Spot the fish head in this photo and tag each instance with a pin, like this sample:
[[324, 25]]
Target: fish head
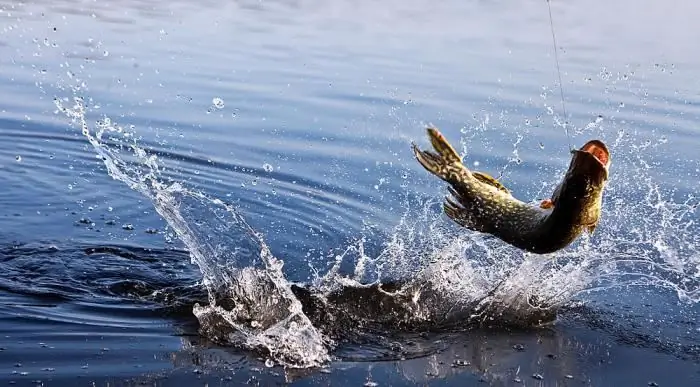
[[579, 196], [592, 161]]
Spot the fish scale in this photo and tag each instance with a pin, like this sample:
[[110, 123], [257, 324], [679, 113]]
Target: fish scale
[[481, 203]]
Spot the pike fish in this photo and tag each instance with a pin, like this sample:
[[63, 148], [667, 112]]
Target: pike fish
[[481, 203]]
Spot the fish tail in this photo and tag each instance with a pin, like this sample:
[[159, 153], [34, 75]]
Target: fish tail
[[443, 147], [444, 161]]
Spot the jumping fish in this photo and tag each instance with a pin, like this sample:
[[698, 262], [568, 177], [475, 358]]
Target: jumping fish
[[481, 203]]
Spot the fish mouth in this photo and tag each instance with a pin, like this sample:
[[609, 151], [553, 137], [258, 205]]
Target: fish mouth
[[593, 158], [598, 150]]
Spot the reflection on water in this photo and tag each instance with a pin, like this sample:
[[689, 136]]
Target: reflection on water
[[298, 117]]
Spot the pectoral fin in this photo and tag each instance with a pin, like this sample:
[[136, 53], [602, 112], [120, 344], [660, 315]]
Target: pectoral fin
[[591, 228], [547, 204]]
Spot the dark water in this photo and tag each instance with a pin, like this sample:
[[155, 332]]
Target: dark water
[[299, 116]]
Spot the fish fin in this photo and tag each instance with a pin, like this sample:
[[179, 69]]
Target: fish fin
[[547, 204], [442, 147], [490, 180], [454, 209], [444, 162], [591, 227]]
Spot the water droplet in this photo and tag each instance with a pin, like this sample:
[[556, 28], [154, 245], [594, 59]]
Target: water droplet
[[476, 163], [18, 158], [254, 182], [217, 102], [541, 145], [269, 363], [268, 167], [106, 53], [622, 104], [405, 175]]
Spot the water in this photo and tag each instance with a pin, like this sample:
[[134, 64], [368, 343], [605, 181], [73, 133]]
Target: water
[[160, 161]]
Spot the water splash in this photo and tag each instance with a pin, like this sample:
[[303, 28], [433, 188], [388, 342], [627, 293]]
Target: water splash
[[456, 277], [648, 237], [449, 274], [230, 254]]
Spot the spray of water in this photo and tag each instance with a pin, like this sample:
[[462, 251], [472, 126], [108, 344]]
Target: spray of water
[[230, 254], [648, 241]]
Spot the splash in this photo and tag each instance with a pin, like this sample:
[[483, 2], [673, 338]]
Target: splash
[[448, 275], [232, 257], [648, 238], [456, 277]]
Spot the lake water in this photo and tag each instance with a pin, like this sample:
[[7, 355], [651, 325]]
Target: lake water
[[151, 152]]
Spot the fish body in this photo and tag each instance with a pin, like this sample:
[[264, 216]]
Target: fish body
[[480, 203]]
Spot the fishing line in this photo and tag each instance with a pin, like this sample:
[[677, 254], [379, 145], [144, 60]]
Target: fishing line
[[561, 85]]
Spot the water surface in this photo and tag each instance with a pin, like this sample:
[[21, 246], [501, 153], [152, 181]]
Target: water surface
[[286, 125]]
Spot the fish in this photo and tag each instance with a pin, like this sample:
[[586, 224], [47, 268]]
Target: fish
[[481, 203]]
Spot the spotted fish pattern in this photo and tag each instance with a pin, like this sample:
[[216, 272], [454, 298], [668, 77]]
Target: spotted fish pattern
[[481, 203]]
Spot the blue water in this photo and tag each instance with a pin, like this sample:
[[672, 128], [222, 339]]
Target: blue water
[[300, 115]]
